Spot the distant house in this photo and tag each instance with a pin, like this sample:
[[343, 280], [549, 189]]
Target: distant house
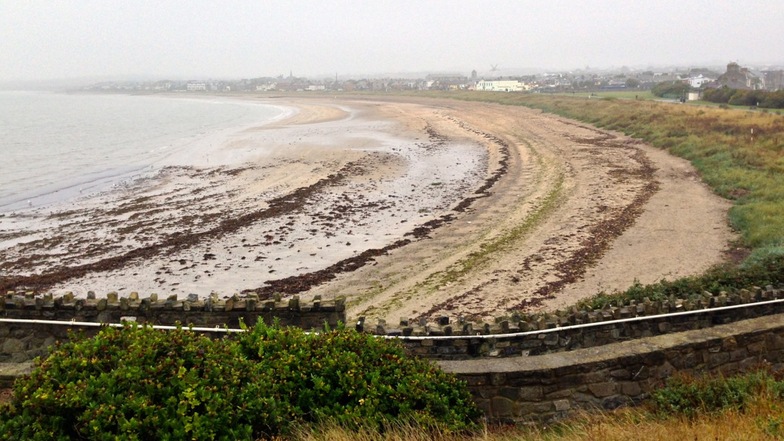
[[774, 79], [699, 80], [266, 87], [162, 85], [193, 87], [738, 77], [446, 81], [500, 86]]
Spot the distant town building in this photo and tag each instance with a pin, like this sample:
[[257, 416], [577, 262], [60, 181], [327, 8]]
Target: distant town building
[[266, 87], [699, 81], [446, 81], [194, 87], [774, 79], [738, 77], [500, 86]]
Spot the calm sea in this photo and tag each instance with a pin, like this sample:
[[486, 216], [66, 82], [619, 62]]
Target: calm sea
[[55, 146]]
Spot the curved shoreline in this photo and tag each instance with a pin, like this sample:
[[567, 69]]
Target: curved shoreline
[[188, 144], [535, 223], [356, 168]]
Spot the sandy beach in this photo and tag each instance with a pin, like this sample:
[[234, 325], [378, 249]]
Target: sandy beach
[[409, 208]]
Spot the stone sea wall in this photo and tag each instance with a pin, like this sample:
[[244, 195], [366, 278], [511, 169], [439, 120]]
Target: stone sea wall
[[584, 359], [24, 341], [549, 387], [574, 329]]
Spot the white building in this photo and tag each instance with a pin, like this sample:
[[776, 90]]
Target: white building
[[500, 86], [192, 87], [698, 81], [266, 87]]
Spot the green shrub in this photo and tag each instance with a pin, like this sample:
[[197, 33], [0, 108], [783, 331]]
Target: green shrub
[[133, 383], [692, 396], [357, 380], [672, 89], [140, 383]]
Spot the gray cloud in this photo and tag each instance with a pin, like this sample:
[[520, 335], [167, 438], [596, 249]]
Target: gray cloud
[[68, 39]]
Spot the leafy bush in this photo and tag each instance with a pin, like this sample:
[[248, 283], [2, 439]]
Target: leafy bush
[[761, 98], [140, 383], [673, 89], [356, 380], [691, 396], [773, 100], [133, 383], [719, 95], [747, 97]]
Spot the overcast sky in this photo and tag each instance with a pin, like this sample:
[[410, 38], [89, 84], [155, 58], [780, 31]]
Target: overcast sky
[[242, 39]]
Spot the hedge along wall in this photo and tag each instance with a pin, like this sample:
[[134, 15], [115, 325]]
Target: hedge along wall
[[550, 386], [21, 342]]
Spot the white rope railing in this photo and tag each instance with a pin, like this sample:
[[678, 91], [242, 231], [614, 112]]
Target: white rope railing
[[590, 325], [429, 337]]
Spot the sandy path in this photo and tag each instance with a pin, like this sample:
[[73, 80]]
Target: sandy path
[[410, 208]]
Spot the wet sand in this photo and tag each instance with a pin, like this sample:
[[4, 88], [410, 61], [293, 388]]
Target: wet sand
[[409, 208]]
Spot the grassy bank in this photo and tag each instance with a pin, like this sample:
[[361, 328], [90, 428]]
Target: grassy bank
[[747, 407]]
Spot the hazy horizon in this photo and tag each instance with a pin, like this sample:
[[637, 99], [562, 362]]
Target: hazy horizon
[[180, 39]]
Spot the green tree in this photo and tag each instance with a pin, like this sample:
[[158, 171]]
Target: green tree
[[674, 89], [632, 83]]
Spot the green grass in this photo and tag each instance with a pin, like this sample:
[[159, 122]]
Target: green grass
[[745, 407], [610, 94]]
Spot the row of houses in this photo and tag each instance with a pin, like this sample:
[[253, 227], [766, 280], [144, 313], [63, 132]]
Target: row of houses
[[736, 77]]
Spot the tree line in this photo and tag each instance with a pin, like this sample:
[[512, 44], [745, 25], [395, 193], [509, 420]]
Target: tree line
[[723, 95], [738, 97]]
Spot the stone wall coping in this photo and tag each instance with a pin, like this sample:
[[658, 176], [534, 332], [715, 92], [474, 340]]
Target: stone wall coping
[[32, 301], [606, 353], [75, 323], [518, 323], [559, 328]]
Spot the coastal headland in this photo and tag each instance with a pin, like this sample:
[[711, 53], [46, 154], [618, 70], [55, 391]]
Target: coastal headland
[[408, 207]]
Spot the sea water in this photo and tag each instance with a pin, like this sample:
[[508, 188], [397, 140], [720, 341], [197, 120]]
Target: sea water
[[57, 146]]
